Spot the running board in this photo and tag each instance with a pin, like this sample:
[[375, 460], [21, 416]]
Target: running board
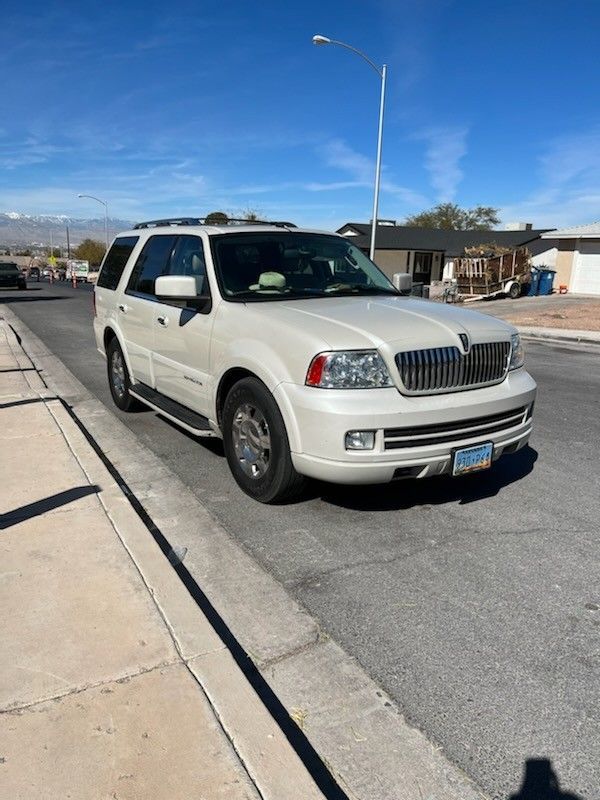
[[181, 415]]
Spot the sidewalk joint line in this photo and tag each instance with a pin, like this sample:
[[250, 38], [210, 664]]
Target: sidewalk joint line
[[79, 689]]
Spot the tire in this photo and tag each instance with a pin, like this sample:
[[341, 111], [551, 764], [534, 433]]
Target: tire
[[118, 378], [256, 444], [514, 291]]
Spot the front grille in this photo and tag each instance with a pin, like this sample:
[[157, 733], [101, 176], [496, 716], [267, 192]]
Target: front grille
[[440, 433], [446, 369]]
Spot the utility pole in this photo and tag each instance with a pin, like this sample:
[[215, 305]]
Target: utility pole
[[68, 244]]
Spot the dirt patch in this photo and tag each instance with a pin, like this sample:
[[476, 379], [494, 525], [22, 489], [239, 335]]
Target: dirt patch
[[583, 316]]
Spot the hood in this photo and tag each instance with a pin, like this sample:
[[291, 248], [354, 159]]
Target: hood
[[400, 323]]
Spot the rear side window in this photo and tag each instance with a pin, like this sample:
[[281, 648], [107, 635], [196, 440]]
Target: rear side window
[[152, 262], [115, 262]]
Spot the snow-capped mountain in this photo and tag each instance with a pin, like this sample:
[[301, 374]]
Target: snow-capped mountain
[[26, 230]]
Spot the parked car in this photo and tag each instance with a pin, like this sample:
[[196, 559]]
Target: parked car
[[11, 276], [34, 273], [304, 357]]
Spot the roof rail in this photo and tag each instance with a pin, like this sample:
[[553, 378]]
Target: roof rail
[[161, 223]]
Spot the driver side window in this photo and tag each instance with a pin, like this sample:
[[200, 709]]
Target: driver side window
[[188, 259]]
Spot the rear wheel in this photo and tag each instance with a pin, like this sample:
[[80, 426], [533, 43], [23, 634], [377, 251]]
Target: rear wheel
[[514, 291], [118, 378], [256, 444]]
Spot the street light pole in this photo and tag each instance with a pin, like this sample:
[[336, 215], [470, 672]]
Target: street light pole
[[97, 199], [321, 40]]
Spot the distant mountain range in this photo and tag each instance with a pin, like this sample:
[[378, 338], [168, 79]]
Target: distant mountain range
[[25, 230]]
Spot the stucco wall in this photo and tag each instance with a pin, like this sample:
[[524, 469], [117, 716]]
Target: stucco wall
[[564, 262], [390, 261]]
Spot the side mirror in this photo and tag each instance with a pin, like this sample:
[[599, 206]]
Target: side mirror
[[403, 282], [176, 287]]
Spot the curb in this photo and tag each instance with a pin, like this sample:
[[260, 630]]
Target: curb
[[560, 335], [344, 720]]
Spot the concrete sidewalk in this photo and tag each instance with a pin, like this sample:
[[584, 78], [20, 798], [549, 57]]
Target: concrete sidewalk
[[113, 684]]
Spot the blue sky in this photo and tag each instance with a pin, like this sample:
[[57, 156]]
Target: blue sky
[[184, 108]]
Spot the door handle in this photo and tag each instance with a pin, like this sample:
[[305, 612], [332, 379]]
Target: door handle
[[123, 308], [164, 321]]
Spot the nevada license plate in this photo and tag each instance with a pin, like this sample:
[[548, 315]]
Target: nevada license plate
[[472, 459]]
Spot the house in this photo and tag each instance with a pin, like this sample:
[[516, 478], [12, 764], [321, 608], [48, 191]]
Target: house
[[424, 252], [577, 261]]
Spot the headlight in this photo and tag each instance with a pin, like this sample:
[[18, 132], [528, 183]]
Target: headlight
[[517, 354], [349, 369]]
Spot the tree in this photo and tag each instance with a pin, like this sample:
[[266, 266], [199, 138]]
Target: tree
[[90, 250], [451, 217], [251, 214], [216, 218]]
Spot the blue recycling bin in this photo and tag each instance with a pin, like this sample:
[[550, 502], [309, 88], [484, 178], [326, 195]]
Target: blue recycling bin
[[546, 280], [535, 282]]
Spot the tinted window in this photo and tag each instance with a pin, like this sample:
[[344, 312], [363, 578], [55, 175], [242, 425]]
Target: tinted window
[[152, 262], [188, 259], [115, 262]]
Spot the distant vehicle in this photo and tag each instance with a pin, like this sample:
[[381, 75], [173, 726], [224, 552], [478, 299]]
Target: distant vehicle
[[78, 269], [11, 275], [34, 273]]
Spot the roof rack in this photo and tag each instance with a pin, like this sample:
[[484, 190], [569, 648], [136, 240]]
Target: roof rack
[[161, 223]]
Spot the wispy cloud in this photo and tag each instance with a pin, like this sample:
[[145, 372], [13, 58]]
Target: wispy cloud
[[446, 146], [568, 192], [339, 155]]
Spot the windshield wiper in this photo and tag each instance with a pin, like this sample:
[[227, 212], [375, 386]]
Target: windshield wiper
[[361, 288]]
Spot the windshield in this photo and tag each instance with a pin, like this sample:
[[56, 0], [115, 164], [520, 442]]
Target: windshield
[[289, 265]]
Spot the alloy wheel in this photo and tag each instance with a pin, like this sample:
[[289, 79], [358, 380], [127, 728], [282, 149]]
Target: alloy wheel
[[251, 440]]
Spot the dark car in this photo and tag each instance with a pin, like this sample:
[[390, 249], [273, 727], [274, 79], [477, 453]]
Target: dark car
[[34, 273], [11, 275]]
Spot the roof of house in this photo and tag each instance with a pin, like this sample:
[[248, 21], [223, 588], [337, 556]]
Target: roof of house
[[453, 243], [578, 231]]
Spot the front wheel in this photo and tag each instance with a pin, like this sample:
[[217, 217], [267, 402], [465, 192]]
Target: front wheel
[[118, 378], [256, 444]]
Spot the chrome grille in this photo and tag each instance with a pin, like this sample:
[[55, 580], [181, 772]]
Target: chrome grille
[[446, 369]]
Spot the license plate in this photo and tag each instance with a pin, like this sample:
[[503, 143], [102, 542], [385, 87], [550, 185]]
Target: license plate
[[473, 459]]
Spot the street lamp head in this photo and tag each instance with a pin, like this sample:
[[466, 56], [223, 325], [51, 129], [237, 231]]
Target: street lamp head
[[318, 39]]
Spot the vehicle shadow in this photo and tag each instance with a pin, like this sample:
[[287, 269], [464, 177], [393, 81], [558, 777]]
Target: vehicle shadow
[[213, 444], [25, 299], [400, 495], [540, 782]]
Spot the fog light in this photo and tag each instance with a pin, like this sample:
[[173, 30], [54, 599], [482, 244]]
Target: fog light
[[360, 440]]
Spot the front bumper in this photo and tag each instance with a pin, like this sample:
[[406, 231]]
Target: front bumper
[[317, 421]]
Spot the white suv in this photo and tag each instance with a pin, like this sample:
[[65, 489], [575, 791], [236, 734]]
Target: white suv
[[300, 353]]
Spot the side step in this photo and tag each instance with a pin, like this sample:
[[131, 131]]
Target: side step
[[181, 415]]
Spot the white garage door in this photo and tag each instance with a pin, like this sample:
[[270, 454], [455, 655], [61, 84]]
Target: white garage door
[[586, 270]]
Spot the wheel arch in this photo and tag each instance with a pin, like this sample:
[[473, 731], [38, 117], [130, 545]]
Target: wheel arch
[[108, 335], [235, 374]]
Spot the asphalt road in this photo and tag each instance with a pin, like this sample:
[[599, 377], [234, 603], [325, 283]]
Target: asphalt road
[[474, 602]]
